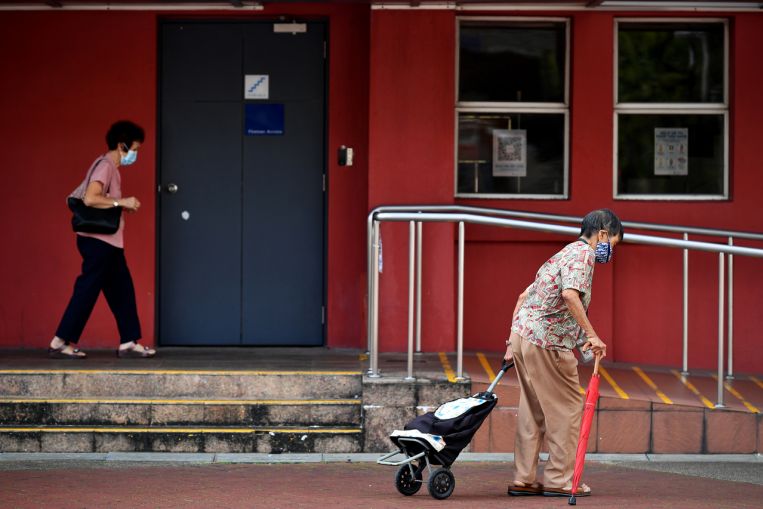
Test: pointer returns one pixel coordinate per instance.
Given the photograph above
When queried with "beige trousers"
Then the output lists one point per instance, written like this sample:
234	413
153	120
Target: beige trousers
550	405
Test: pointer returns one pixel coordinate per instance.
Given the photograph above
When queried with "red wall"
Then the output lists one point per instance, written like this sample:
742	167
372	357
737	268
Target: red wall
391	97
410	161
348	202
66	77
636	304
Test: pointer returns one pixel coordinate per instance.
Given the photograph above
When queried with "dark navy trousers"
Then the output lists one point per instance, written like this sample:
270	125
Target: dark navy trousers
104	269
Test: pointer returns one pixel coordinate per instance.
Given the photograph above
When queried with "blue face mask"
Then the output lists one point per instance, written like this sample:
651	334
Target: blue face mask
130	157
603	252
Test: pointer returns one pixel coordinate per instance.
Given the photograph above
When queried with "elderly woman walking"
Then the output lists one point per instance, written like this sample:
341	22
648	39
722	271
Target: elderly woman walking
104	268
549	317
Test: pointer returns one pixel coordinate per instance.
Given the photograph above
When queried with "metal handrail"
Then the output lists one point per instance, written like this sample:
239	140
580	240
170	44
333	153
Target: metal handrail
686	230
711	232
417	215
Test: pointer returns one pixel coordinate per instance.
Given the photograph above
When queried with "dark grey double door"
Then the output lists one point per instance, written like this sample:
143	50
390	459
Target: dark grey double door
241	254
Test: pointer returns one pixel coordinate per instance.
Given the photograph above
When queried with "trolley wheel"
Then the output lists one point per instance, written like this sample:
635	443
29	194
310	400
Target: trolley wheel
407	484
441	483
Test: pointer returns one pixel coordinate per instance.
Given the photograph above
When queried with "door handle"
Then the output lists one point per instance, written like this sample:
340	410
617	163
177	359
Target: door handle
172	188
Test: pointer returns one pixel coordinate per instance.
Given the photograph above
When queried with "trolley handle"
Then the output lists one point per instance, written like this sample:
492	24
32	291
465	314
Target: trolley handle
504	368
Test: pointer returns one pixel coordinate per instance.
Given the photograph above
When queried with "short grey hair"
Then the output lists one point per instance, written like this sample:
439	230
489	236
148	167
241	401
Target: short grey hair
601	219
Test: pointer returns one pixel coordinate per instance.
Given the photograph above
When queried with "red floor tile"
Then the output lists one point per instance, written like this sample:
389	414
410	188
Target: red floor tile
731	432
623	431
676	431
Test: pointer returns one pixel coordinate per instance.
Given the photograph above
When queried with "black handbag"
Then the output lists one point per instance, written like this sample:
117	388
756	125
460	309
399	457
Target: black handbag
90	219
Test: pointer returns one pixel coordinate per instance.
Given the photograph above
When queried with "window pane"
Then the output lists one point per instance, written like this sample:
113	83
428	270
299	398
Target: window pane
645	149
518	62
529	144
675	62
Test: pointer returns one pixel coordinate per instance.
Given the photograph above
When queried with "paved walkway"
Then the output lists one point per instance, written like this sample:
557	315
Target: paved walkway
117	484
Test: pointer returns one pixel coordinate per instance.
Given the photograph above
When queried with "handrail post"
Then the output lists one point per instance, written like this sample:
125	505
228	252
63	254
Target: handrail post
411	280
685	371
730	375
419	250
460	324
374	317
369	283
721	289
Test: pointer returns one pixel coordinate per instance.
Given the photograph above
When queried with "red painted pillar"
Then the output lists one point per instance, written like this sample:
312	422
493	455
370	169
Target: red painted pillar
591	136
411	111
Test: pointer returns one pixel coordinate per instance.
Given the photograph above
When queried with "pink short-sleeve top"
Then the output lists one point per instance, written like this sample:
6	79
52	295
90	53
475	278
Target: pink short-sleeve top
108	175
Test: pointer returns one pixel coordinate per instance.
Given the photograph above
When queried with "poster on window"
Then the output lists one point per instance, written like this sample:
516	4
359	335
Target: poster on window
671	151
509	153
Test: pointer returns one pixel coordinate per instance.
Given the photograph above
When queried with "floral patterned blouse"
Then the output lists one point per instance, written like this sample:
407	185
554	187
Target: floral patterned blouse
544	319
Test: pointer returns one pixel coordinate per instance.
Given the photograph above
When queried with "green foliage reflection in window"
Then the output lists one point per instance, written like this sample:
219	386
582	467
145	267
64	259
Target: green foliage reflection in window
520	62
670	63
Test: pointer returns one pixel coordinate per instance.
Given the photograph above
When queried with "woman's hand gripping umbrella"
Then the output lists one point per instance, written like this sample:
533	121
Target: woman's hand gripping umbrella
591	397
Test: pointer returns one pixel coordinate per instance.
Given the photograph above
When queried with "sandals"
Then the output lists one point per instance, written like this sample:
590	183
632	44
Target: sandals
520	489
58	353
134	353
582	491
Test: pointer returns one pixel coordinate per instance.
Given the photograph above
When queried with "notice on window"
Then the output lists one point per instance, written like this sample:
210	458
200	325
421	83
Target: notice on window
257	86
671	151
509	153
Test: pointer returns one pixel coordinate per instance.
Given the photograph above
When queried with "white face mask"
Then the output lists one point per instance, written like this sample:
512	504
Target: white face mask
130	157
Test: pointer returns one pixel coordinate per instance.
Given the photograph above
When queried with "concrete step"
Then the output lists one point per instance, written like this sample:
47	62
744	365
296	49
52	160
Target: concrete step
175	384
123	410
183	412
116	409
272	440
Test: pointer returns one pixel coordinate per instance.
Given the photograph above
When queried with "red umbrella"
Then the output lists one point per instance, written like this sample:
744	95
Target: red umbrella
591	397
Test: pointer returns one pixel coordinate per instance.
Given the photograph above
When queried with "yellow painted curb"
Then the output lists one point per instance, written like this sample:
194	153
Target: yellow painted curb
737	395
486	366
653	385
146	401
608	378
168	372
446	367
189	431
684	380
